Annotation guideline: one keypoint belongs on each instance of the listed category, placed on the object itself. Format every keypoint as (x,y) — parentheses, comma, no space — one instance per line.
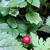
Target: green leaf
(48,21)
(22,28)
(40,47)
(33,17)
(7,42)
(34,39)
(4,11)
(0,0)
(45,28)
(13,32)
(6,39)
(47,43)
(35,3)
(41,41)
(32,27)
(4,27)
(23,4)
(12,22)
(14,12)
(12,48)
(4,3)
(17,3)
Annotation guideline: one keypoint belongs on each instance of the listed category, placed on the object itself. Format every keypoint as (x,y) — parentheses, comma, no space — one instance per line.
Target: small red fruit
(26,39)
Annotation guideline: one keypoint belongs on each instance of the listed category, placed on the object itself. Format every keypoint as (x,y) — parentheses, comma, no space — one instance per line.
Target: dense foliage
(22,22)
